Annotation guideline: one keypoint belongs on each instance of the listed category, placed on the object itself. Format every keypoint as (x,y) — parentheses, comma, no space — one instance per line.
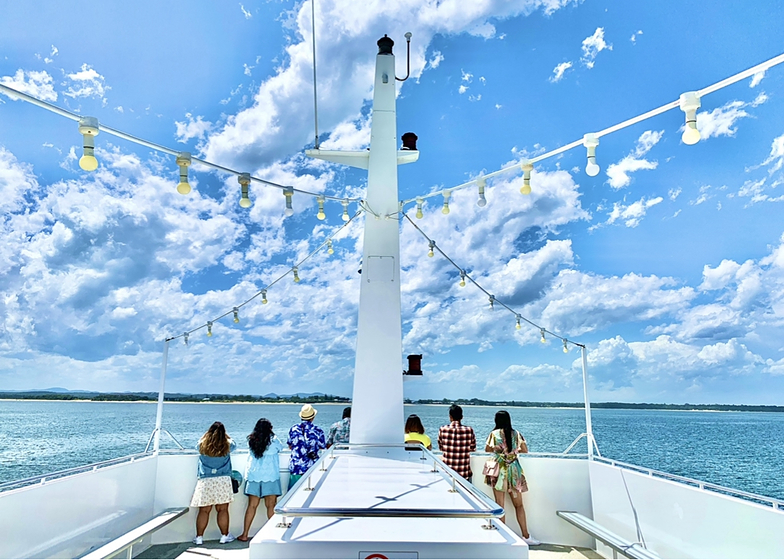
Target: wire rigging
(294,270)
(493,300)
(315,95)
(685,102)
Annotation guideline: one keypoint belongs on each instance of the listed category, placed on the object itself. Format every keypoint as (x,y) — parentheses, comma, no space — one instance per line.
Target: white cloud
(191,128)
(558,71)
(245,12)
(435,60)
(85,83)
(462,89)
(37,84)
(592,46)
(477,97)
(634,36)
(618,173)
(756,79)
(466,76)
(674,193)
(776,157)
(631,215)
(721,121)
(119,109)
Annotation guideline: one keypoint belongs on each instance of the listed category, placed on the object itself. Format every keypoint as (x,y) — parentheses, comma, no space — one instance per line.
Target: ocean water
(741,450)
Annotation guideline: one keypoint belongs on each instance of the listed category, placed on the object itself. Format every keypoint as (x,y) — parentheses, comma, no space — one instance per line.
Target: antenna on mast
(408,58)
(315,95)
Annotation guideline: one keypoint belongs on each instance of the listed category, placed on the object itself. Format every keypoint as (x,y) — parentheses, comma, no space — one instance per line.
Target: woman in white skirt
(213,487)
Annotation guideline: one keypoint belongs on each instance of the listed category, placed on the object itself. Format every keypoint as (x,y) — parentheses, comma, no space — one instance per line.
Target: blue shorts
(262,489)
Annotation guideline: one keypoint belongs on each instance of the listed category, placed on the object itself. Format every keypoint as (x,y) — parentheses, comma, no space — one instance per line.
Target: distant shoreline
(333,400)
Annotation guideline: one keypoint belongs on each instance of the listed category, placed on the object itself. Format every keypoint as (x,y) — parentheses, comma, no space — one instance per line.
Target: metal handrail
(163,431)
(702,485)
(493,510)
(42,479)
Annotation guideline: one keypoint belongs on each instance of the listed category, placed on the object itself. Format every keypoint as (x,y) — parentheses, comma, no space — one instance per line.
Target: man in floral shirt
(457,442)
(305,441)
(339,431)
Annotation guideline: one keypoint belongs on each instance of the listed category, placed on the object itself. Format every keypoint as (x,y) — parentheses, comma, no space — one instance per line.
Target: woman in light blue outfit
(262,474)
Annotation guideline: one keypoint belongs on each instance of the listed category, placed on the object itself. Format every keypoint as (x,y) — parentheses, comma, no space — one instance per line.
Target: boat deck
(239,551)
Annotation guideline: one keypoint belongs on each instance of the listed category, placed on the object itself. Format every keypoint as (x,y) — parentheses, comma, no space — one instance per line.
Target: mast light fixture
(89,129)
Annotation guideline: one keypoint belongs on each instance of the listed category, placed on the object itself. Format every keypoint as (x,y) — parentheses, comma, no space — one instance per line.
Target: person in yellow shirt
(415,432)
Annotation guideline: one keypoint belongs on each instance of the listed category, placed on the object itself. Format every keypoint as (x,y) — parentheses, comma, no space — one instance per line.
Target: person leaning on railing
(415,432)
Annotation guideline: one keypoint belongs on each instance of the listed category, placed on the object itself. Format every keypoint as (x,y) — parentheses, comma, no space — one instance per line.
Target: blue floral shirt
(304,438)
(339,432)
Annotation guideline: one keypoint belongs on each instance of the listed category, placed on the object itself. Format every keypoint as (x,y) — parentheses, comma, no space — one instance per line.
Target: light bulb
(185,338)
(566,348)
(183,161)
(492,302)
(691,135)
(244,181)
(264,297)
(432,245)
(345,215)
(236,314)
(543,339)
(288,192)
(209,328)
(689,103)
(445,209)
(419,213)
(330,250)
(517,326)
(591,141)
(321,215)
(296,274)
(482,202)
(527,167)
(89,163)
(89,129)
(462,279)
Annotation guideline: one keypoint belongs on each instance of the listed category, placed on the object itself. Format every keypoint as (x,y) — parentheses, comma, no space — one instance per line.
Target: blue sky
(668,265)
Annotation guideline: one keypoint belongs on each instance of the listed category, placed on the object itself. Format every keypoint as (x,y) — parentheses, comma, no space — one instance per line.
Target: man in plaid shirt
(457,442)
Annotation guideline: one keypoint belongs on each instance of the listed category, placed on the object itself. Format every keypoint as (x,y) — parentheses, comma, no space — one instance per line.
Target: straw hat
(307,412)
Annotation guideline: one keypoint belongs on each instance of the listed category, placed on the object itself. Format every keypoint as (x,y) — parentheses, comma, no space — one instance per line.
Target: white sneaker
(198,541)
(227,538)
(530,541)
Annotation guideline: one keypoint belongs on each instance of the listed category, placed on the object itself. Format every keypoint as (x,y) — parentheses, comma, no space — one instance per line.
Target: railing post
(588,426)
(159,414)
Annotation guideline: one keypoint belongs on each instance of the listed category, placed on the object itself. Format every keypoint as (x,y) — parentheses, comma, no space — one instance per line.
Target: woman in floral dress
(505,444)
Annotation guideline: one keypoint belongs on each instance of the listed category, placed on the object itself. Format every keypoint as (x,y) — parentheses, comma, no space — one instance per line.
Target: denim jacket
(215,466)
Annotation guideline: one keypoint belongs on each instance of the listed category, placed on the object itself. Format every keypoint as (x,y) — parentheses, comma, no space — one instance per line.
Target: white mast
(377,407)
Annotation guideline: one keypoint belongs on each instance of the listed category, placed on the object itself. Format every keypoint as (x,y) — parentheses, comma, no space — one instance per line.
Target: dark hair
(503,422)
(414,425)
(260,438)
(215,442)
(455,412)
(347,412)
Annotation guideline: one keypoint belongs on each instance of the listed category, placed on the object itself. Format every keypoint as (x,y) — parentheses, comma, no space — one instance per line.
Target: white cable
(152,145)
(616,127)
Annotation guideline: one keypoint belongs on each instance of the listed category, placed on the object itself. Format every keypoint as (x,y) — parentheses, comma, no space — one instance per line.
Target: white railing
(702,485)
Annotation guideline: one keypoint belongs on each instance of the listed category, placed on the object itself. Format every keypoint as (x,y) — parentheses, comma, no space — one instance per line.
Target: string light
(185,338)
(330,250)
(689,103)
(566,348)
(419,213)
(264,297)
(88,128)
(462,278)
(492,303)
(517,326)
(236,312)
(590,141)
(209,328)
(321,215)
(527,167)
(288,192)
(432,245)
(482,202)
(445,209)
(295,270)
(345,216)
(543,339)
(244,180)
(183,161)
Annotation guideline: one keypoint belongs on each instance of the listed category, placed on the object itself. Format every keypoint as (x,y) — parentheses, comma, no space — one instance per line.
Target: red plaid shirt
(457,442)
